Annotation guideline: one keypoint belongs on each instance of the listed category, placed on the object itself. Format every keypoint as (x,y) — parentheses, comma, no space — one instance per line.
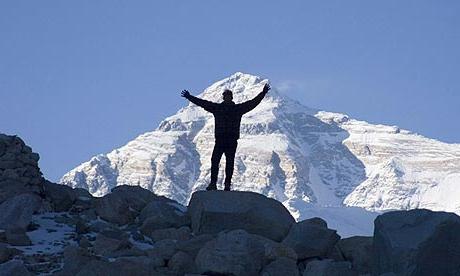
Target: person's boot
(211,187)
(227,187)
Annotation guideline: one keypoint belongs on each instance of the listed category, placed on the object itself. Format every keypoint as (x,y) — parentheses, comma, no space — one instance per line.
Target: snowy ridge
(300,156)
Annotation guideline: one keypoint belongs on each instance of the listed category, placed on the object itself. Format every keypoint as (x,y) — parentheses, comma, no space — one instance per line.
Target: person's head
(228,95)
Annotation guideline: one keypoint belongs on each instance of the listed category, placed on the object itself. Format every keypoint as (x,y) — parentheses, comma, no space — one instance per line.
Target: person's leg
(215,160)
(230,151)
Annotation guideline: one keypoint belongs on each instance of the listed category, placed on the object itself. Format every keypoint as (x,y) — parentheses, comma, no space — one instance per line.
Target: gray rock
(417,242)
(2,148)
(135,196)
(74,259)
(13,268)
(17,211)
(123,204)
(358,251)
(61,197)
(194,244)
(182,263)
(310,238)
(235,253)
(6,253)
(84,242)
(105,245)
(81,227)
(180,234)
(17,236)
(124,266)
(281,266)
(99,226)
(113,208)
(19,172)
(115,233)
(335,254)
(214,211)
(274,250)
(328,267)
(98,268)
(2,235)
(83,193)
(161,214)
(163,249)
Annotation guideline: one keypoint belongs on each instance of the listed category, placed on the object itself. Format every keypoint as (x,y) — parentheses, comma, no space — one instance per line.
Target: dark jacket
(227,115)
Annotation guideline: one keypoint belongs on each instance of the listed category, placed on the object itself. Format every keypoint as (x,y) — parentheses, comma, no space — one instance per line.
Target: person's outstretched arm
(251,104)
(207,105)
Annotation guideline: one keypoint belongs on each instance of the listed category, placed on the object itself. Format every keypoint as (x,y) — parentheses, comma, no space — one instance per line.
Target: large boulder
(193,245)
(61,197)
(124,203)
(7,253)
(182,263)
(17,236)
(19,172)
(215,211)
(281,266)
(358,251)
(417,242)
(13,268)
(179,234)
(159,214)
(17,211)
(311,238)
(329,267)
(235,253)
(74,259)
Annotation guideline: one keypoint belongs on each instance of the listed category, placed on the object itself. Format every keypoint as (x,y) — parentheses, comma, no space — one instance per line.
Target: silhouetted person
(227,117)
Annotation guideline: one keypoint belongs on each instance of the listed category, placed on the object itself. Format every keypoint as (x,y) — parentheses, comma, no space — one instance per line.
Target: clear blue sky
(78,78)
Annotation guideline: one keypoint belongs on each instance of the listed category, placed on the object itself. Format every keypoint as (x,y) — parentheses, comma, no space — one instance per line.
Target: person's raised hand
(185,93)
(266,88)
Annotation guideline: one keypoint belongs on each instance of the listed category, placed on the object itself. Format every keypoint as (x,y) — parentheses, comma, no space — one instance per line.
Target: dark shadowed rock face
(311,238)
(358,251)
(214,211)
(125,203)
(328,267)
(19,172)
(61,197)
(417,242)
(282,266)
(16,212)
(160,214)
(13,268)
(234,253)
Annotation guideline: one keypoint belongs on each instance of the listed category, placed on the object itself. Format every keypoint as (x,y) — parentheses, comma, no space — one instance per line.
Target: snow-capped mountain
(300,156)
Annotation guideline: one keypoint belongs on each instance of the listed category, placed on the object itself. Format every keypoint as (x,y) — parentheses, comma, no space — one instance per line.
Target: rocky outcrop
(49,229)
(61,197)
(358,251)
(215,211)
(123,204)
(19,172)
(311,238)
(417,242)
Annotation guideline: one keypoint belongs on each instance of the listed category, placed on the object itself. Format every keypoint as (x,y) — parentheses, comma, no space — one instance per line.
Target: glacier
(316,163)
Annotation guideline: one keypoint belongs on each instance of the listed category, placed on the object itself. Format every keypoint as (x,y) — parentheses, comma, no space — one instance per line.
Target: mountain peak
(244,87)
(297,155)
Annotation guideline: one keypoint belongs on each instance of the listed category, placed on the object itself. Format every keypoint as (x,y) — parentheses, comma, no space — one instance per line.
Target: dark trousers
(229,148)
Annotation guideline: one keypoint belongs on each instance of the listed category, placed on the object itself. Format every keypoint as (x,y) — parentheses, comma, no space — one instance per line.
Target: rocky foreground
(51,229)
